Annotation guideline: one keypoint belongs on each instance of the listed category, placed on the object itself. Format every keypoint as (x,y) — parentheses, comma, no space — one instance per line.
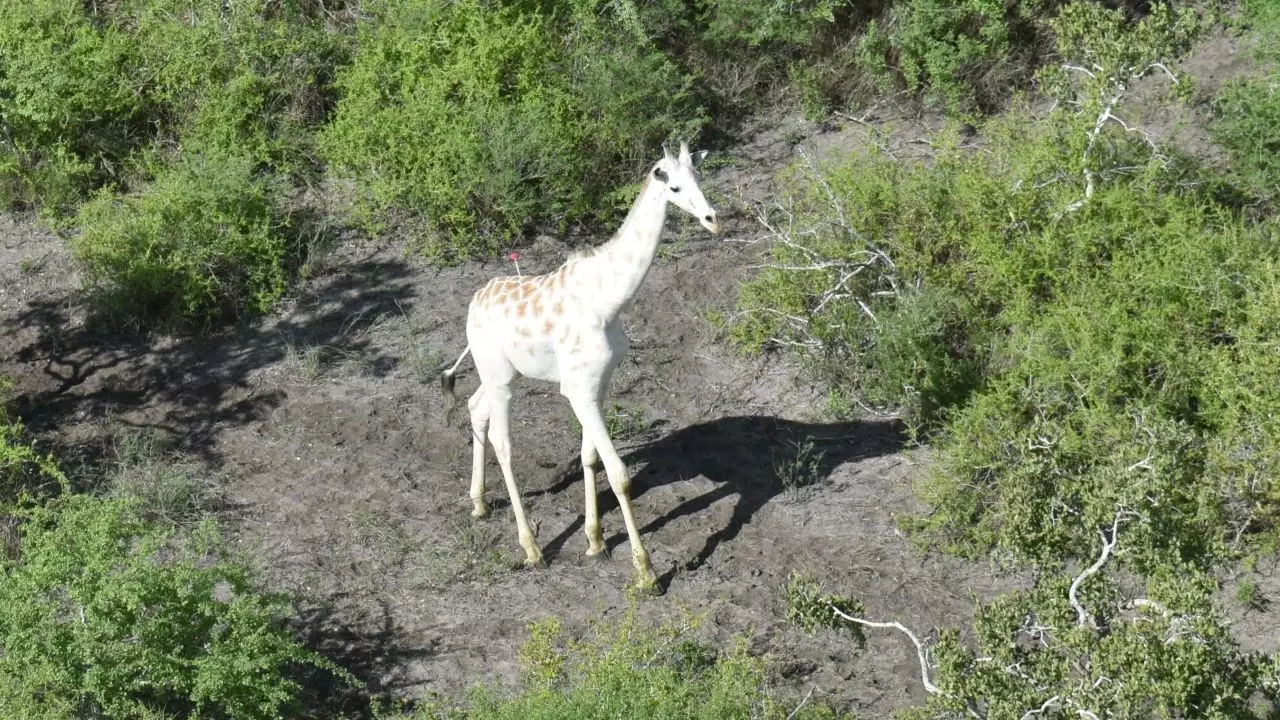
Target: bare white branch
(1077,68)
(1108,545)
(1050,704)
(924,661)
(802,702)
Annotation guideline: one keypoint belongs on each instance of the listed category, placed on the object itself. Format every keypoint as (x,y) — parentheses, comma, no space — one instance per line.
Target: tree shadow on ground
(756,458)
(79,370)
(375,654)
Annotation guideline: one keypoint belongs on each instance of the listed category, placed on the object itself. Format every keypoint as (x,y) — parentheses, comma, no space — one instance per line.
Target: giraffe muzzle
(710,223)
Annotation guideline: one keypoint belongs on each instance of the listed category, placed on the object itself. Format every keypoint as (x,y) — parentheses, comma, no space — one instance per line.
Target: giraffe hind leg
(479,406)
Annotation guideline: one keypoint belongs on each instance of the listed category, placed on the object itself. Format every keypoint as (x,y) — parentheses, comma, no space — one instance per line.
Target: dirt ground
(324,430)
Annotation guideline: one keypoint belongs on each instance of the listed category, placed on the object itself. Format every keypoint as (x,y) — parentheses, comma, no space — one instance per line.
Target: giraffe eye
(675,189)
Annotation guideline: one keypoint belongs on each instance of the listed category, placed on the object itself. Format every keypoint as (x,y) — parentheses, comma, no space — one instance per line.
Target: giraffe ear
(684,151)
(666,152)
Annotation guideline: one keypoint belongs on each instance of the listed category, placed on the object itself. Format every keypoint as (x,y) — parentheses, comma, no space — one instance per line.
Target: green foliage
(1170,654)
(22,468)
(104,615)
(69,101)
(248,78)
(1104,50)
(961,54)
(488,119)
(204,240)
(88,91)
(1078,321)
(626,669)
(1247,118)
(810,608)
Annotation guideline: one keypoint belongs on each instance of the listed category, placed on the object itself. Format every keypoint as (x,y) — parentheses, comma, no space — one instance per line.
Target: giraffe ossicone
(565,327)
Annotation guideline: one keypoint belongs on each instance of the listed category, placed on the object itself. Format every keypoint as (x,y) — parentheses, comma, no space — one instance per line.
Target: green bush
(489,119)
(962,54)
(22,468)
(204,240)
(1173,656)
(1080,646)
(248,78)
(739,48)
(104,615)
(629,670)
(69,81)
(90,93)
(1247,113)
(1072,315)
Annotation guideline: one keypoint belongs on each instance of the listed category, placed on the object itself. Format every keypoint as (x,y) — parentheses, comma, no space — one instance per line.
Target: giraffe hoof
(650,588)
(598,552)
(534,563)
(481,511)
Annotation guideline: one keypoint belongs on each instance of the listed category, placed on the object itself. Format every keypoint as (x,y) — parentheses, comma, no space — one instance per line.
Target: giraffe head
(679,176)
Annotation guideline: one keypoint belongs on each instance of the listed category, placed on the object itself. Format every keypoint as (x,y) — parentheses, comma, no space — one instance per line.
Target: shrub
(1067,312)
(88,90)
(1169,654)
(961,54)
(68,93)
(248,78)
(488,120)
(739,50)
(204,240)
(22,468)
(634,671)
(1248,115)
(1079,646)
(104,615)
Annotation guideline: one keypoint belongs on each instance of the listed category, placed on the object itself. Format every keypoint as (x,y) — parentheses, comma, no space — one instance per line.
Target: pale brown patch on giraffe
(523,331)
(537,305)
(558,308)
(522,308)
(547,327)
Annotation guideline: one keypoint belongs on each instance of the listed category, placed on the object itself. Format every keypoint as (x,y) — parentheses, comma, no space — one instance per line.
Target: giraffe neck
(620,266)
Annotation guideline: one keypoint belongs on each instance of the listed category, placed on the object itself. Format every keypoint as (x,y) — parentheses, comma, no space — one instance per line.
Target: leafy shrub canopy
(105,615)
(204,240)
(488,119)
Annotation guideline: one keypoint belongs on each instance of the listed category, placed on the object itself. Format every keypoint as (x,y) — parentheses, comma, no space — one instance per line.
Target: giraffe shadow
(750,457)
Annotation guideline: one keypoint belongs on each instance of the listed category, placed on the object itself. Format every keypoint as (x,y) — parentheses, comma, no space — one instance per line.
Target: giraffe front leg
(479,430)
(591,520)
(593,427)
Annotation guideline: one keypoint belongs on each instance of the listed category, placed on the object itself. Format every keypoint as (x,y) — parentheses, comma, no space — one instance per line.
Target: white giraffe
(565,327)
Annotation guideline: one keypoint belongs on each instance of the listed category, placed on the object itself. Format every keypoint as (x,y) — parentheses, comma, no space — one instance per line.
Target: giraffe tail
(446,387)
